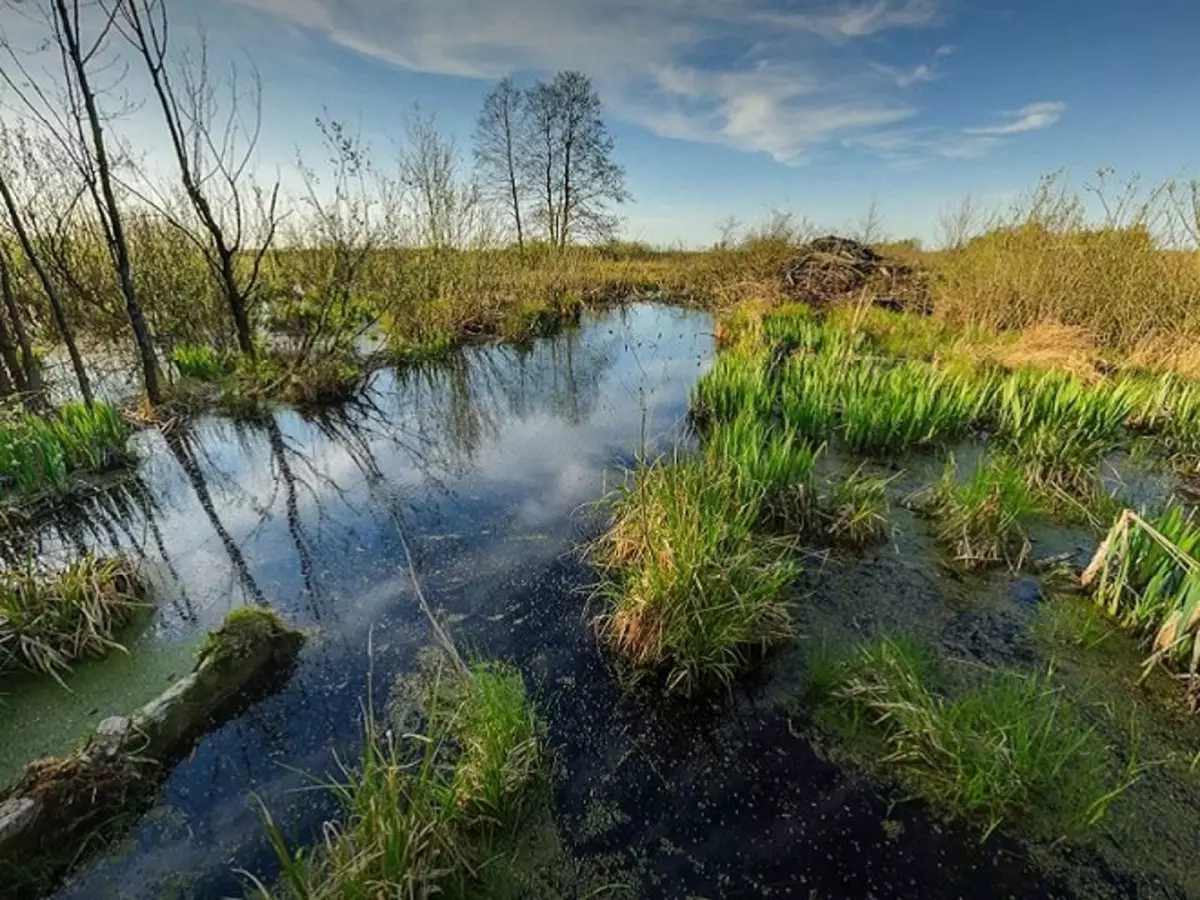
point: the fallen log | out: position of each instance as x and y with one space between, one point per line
58 800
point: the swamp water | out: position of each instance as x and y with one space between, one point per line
485 465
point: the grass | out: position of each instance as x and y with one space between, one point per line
856 507
774 468
199 361
1146 576
1004 750
1061 427
49 620
738 384
39 453
688 586
432 811
985 519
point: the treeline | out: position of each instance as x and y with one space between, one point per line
205 250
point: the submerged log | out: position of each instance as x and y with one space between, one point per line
57 800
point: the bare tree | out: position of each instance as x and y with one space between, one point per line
24 370
446 205
213 155
958 225
567 153
498 133
16 148
74 119
869 228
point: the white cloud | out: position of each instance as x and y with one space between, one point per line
1029 118
766 76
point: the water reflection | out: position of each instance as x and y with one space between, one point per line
481 462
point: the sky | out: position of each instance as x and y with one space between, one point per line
727 108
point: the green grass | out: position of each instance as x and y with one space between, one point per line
738 384
40 453
855 508
773 467
199 362
1146 576
688 585
49 620
890 409
428 812
1060 427
985 519
1004 750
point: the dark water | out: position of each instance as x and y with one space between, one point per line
485 466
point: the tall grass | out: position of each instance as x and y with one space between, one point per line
739 383
432 812
48 620
855 508
1061 427
1044 262
688 585
38 453
1146 575
1005 750
985 519
772 467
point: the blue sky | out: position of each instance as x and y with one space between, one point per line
732 107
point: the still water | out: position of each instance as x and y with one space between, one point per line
487 466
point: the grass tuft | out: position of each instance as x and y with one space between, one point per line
48 621
985 519
688 585
428 812
1006 749
40 453
856 508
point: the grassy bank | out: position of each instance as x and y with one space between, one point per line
41 454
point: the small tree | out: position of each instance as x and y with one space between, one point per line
567 153
213 154
498 133
72 116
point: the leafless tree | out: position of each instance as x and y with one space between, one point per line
445 204
498 133
16 152
213 153
869 228
567 152
958 225
79 34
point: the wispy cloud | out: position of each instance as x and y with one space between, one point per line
1029 118
780 77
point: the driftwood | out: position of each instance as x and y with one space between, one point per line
58 800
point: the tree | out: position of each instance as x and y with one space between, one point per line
213 157
498 133
567 153
445 205
75 121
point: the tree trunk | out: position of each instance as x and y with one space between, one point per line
116 230
60 320
29 363
237 305
8 350
512 179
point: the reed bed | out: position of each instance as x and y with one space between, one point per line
50 620
1061 427
1004 748
431 812
1146 576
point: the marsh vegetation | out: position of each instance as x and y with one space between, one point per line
967 474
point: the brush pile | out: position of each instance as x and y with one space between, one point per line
834 268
